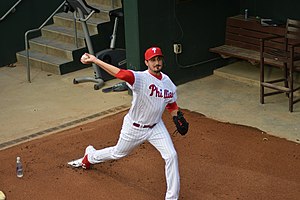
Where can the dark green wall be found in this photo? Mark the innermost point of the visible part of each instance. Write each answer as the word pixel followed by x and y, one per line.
pixel 202 26
pixel 29 14
pixel 131 22
pixel 272 8
pixel 197 25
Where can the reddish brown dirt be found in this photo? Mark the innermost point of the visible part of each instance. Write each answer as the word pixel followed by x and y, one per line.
pixel 217 161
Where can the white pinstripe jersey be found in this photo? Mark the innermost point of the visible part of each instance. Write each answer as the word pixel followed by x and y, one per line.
pixel 150 97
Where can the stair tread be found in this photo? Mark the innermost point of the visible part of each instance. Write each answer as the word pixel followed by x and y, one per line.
pixel 92 21
pixel 55 50
pixel 102 7
pixel 64 30
pixel 55 43
pixel 45 57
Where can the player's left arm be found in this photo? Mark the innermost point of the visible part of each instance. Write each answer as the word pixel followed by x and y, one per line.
pixel 172 108
pixel 182 125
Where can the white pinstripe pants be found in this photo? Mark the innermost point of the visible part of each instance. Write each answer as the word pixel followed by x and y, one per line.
pixel 131 137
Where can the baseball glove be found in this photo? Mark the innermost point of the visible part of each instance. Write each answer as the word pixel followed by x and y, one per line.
pixel 182 125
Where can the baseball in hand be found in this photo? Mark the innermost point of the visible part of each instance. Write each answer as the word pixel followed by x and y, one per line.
pixel 84 57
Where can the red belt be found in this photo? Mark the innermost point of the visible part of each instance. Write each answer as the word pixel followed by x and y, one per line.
pixel 143 126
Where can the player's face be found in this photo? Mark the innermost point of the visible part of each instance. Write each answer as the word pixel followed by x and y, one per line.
pixel 155 64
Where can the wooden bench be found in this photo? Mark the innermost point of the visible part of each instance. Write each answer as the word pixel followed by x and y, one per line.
pixel 247 39
pixel 242 39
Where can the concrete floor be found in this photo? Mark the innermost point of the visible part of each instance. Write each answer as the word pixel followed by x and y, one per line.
pixel 51 103
pixel 232 95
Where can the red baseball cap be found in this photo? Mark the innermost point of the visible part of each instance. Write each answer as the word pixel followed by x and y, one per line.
pixel 152 52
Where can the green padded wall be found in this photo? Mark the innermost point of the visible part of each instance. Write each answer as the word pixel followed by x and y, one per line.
pixel 197 25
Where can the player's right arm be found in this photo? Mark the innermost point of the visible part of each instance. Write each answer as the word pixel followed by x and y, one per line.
pixel 125 75
pixel 89 58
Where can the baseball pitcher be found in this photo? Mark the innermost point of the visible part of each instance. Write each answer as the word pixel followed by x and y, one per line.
pixel 153 92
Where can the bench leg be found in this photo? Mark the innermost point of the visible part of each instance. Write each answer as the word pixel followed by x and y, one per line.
pixel 286 77
pixel 291 87
pixel 262 77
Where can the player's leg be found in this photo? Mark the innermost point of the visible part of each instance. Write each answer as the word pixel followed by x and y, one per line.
pixel 130 138
pixel 120 150
pixel 161 140
pixel 123 147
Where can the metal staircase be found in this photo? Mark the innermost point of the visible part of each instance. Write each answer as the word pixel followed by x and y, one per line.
pixel 56 51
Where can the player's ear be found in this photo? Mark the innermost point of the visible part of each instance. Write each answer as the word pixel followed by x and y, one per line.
pixel 146 63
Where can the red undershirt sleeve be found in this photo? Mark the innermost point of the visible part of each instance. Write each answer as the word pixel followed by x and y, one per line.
pixel 172 106
pixel 126 75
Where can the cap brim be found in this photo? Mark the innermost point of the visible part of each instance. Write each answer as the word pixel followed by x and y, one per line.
pixel 154 55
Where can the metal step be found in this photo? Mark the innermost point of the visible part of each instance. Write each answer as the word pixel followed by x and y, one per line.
pixel 49 63
pixel 67 20
pixel 54 47
pixel 108 3
pixel 63 34
pixel 55 50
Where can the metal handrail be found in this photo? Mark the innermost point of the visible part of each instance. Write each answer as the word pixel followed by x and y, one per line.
pixel 75 18
pixel 82 20
pixel 37 29
pixel 11 10
pixel 75 30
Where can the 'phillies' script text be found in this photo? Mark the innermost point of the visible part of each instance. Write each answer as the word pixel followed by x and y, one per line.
pixel 157 92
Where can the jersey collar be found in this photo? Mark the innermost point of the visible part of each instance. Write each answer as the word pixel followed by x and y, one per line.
pixel 159 77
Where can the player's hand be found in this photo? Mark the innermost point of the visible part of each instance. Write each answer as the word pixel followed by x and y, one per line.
pixel 182 125
pixel 87 58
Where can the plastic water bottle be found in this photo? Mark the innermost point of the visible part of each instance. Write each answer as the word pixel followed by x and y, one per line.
pixel 19 168
pixel 246 14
